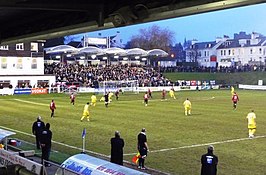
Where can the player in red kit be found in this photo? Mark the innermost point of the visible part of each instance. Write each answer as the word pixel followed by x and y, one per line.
pixel 235 99
pixel 146 98
pixel 163 94
pixel 72 98
pixel 52 108
pixel 117 94
pixel 149 93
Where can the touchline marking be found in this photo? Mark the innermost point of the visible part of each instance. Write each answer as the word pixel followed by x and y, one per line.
pixel 59 143
pixel 154 151
pixel 30 102
pixel 199 145
pixel 42 104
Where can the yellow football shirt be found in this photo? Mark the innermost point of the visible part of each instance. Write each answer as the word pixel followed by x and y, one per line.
pixel 251 120
pixel 187 104
pixel 93 99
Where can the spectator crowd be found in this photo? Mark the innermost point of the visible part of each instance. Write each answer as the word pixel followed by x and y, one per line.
pixel 220 69
pixel 91 76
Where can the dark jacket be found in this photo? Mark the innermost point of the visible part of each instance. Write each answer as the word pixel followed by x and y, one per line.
pixel 209 164
pixel 38 127
pixel 46 137
pixel 117 145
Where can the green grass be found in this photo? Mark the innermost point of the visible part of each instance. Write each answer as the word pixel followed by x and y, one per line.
pixel 212 120
pixel 221 78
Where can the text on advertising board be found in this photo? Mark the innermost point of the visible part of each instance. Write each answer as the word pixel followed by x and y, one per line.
pixel 38 91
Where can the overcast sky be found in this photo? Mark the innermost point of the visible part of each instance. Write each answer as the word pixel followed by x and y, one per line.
pixel 203 27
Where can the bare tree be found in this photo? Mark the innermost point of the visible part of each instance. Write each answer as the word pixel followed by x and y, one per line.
pixel 193 53
pixel 153 37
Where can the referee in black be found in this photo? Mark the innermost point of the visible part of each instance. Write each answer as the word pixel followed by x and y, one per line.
pixel 142 148
pixel 106 99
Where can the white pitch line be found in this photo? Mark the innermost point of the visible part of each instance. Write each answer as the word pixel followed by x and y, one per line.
pixel 59 143
pixel 154 151
pixel 199 145
pixel 30 102
pixel 42 104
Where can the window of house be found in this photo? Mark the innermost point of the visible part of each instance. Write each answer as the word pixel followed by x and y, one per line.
pixel 42 83
pixel 250 51
pixel 34 64
pixel 199 53
pixel 19 63
pixel 34 47
pixel 221 52
pixel 20 46
pixel 229 52
pixel 205 53
pixel 4 63
pixel 5 47
pixel 224 52
pixel 233 52
pixel 23 84
pixel 260 50
pixel 4 84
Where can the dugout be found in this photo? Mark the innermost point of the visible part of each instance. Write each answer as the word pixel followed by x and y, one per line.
pixel 85 164
pixel 4 134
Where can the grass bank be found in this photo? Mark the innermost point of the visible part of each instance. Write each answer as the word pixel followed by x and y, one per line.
pixel 250 78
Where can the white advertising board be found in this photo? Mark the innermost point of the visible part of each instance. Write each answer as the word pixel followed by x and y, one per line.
pixel 7 158
pixel 253 87
pixel 96 41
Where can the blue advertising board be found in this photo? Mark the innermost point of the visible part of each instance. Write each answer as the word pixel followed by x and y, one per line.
pixel 19 91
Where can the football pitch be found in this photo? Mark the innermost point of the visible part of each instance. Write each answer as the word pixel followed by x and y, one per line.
pixel 176 141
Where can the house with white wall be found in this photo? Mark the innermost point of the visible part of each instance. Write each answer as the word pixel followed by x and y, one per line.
pixel 22 64
pixel 204 53
pixel 242 51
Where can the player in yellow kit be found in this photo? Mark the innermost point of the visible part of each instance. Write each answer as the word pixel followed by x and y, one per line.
pixel 187 106
pixel 251 124
pixel 232 90
pixel 86 112
pixel 172 93
pixel 110 95
pixel 93 100
pixel 102 98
